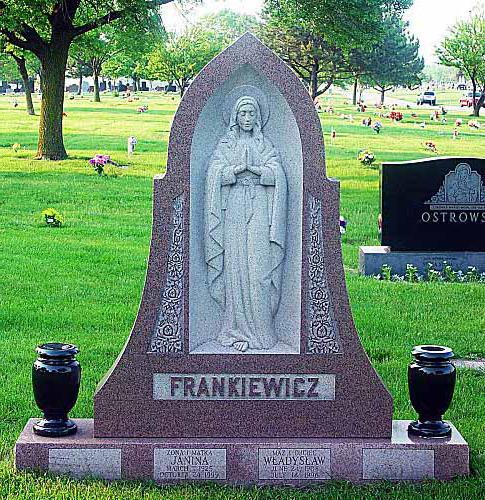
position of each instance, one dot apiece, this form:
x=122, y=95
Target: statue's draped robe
x=245, y=231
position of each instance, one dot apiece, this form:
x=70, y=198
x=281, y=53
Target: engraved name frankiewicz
x=294, y=387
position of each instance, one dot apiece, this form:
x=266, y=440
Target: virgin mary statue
x=245, y=230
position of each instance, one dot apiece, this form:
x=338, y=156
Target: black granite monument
x=433, y=210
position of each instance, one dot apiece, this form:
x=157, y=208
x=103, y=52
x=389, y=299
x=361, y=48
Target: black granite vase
x=56, y=376
x=431, y=379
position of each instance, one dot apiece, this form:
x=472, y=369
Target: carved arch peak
x=247, y=49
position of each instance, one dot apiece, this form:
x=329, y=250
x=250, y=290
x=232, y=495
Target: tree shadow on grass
x=116, y=110
x=106, y=143
x=25, y=139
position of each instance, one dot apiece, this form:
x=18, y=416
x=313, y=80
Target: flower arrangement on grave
x=395, y=116
x=446, y=275
x=458, y=122
x=16, y=147
x=366, y=157
x=142, y=109
x=100, y=161
x=474, y=124
x=431, y=146
x=52, y=217
x=342, y=224
x=377, y=127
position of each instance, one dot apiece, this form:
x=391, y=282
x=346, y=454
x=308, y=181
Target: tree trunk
x=476, y=105
x=80, y=89
x=314, y=81
x=135, y=87
x=53, y=61
x=479, y=105
x=96, y=86
x=383, y=93
x=361, y=90
x=26, y=83
x=354, y=95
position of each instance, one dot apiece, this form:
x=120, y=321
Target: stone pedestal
x=244, y=364
x=246, y=460
x=372, y=258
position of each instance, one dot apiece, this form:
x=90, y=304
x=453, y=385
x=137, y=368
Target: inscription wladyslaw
x=294, y=463
x=294, y=387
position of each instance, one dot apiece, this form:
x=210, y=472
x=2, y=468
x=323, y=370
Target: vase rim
x=56, y=350
x=432, y=352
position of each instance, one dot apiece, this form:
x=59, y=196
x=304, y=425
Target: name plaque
x=189, y=463
x=248, y=386
x=294, y=463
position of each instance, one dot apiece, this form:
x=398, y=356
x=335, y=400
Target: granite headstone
x=436, y=204
x=433, y=212
x=244, y=328
x=244, y=364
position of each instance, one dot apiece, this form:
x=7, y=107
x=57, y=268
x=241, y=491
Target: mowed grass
x=82, y=283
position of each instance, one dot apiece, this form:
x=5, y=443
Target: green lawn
x=82, y=283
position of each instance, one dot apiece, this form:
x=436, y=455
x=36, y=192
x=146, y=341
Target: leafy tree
x=94, y=49
x=134, y=45
x=358, y=69
x=316, y=37
x=8, y=68
x=228, y=25
x=439, y=73
x=394, y=60
x=346, y=23
x=464, y=48
x=316, y=61
x=47, y=28
x=182, y=57
x=21, y=64
x=77, y=67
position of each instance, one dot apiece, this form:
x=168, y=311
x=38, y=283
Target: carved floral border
x=168, y=336
x=322, y=330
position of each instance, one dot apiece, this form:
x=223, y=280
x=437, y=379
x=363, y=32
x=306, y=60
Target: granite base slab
x=261, y=461
x=372, y=258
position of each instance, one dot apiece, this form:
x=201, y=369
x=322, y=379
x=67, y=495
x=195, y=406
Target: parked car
x=427, y=97
x=467, y=99
x=461, y=86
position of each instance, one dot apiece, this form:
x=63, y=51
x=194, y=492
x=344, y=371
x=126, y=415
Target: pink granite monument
x=244, y=365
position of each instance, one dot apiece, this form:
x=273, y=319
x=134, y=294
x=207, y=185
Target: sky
x=429, y=20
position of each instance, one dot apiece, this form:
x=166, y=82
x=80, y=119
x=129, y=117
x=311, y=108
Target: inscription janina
x=189, y=463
